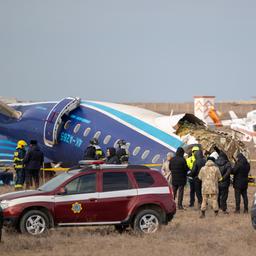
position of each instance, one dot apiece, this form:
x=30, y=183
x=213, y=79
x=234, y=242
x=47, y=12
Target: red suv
x=117, y=195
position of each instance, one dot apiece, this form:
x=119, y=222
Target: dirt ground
x=185, y=235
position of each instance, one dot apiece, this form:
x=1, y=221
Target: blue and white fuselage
x=148, y=136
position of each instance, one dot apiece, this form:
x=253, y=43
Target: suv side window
x=81, y=185
x=113, y=181
x=143, y=179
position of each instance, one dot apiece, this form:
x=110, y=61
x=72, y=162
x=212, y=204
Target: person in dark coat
x=198, y=164
x=90, y=153
x=112, y=158
x=241, y=170
x=33, y=162
x=225, y=168
x=179, y=169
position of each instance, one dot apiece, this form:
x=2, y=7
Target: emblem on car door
x=76, y=207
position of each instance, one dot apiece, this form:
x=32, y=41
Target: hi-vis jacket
x=19, y=155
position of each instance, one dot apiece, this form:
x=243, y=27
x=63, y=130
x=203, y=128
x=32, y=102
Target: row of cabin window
x=107, y=140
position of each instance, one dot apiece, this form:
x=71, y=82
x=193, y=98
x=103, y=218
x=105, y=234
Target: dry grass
x=186, y=235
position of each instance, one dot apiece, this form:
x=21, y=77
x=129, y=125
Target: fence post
x=43, y=174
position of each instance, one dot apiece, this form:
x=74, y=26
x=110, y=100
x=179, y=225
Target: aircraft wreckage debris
x=225, y=139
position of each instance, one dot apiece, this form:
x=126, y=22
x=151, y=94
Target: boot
x=216, y=213
x=245, y=210
x=202, y=215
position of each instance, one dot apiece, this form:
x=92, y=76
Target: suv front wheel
x=147, y=221
x=34, y=222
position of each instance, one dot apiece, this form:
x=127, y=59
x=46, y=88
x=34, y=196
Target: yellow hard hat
x=195, y=148
x=21, y=143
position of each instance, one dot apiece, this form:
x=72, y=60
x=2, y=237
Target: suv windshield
x=55, y=182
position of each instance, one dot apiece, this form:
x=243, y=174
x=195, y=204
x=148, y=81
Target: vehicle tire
x=147, y=221
x=34, y=222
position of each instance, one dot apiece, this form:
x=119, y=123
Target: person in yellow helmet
x=190, y=162
x=19, y=155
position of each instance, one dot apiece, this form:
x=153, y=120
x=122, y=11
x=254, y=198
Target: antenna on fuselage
x=6, y=110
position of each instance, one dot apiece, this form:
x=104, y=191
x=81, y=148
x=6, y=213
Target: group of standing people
x=113, y=155
x=27, y=164
x=208, y=177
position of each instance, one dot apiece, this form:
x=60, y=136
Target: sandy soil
x=186, y=235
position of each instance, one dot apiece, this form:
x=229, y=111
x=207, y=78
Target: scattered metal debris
x=225, y=139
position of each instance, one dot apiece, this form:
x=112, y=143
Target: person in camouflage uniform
x=210, y=176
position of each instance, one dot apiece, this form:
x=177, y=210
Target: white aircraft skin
x=247, y=125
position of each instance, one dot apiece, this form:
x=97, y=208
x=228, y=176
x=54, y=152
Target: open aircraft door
x=53, y=121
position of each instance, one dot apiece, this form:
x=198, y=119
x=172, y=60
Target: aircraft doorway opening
x=53, y=121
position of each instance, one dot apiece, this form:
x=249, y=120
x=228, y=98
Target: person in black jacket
x=225, y=168
x=240, y=184
x=179, y=169
x=33, y=162
x=112, y=158
x=198, y=164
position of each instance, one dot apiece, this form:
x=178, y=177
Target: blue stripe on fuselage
x=7, y=142
x=158, y=134
x=4, y=154
x=79, y=118
x=8, y=148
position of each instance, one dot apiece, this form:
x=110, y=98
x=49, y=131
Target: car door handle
x=93, y=199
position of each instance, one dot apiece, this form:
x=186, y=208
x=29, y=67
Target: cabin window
x=136, y=151
x=67, y=124
x=145, y=154
x=77, y=127
x=107, y=139
x=87, y=131
x=155, y=158
x=116, y=143
x=97, y=135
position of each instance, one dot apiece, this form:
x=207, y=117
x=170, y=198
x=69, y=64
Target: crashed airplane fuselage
x=63, y=129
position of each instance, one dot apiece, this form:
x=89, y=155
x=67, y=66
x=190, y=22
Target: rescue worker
x=241, y=170
x=225, y=170
x=190, y=162
x=210, y=176
x=165, y=167
x=94, y=151
x=33, y=162
x=90, y=152
x=179, y=169
x=100, y=155
x=19, y=155
x=112, y=158
x=122, y=152
x=198, y=164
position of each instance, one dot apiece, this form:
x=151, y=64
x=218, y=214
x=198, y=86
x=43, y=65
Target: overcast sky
x=128, y=50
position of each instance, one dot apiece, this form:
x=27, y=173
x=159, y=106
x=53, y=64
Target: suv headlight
x=4, y=204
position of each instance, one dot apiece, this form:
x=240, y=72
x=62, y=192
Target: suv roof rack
x=99, y=164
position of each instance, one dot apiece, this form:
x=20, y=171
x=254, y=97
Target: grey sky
x=133, y=50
